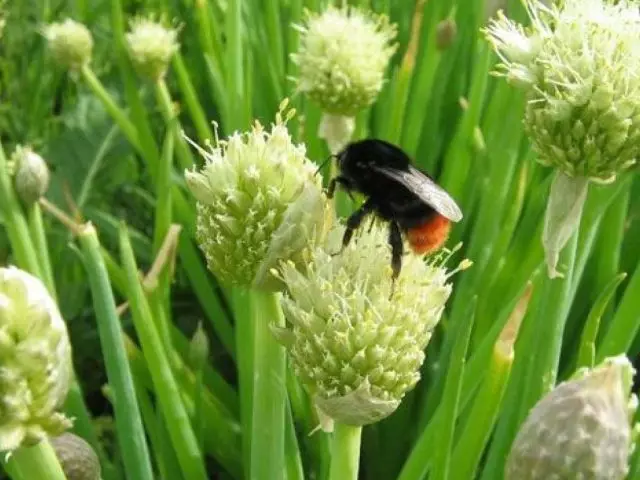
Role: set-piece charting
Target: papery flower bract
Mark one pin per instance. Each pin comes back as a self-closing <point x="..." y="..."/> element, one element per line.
<point x="244" y="190"/>
<point x="35" y="361"/>
<point x="70" y="43"/>
<point x="76" y="457"/>
<point x="151" y="46"/>
<point x="579" y="63"/>
<point x="342" y="58"/>
<point x="581" y="429"/>
<point x="30" y="175"/>
<point x="355" y="349"/>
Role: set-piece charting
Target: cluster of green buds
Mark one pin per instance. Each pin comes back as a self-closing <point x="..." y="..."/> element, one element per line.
<point x="578" y="63"/>
<point x="355" y="348"/>
<point x="35" y="361"/>
<point x="258" y="202"/>
<point x="30" y="175"/>
<point x="151" y="46"/>
<point x="342" y="59"/>
<point x="581" y="429"/>
<point x="70" y="44"/>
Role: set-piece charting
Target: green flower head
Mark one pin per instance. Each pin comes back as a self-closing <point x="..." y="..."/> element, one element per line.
<point x="258" y="201"/>
<point x="70" y="43"/>
<point x="579" y="63"/>
<point x="581" y="429"/>
<point x="357" y="350"/>
<point x="151" y="46"/>
<point x="35" y="361"/>
<point x="342" y="58"/>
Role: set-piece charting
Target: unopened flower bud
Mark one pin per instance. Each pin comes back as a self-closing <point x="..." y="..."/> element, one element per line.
<point x="342" y="58"/>
<point x="151" y="46"/>
<point x="31" y="175"/>
<point x="199" y="348"/>
<point x="243" y="193"/>
<point x="70" y="43"/>
<point x="355" y="349"/>
<point x="581" y="429"/>
<point x="76" y="457"/>
<point x="35" y="361"/>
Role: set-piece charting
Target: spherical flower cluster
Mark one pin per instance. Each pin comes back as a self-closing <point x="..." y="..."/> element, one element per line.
<point x="355" y="348"/>
<point x="342" y="58"/>
<point x="35" y="361"/>
<point x="248" y="186"/>
<point x="30" y="175"/>
<point x="579" y="63"/>
<point x="581" y="429"/>
<point x="151" y="46"/>
<point x="70" y="43"/>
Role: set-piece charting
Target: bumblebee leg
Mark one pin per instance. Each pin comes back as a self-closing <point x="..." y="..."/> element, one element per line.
<point x="354" y="221"/>
<point x="395" y="240"/>
<point x="334" y="182"/>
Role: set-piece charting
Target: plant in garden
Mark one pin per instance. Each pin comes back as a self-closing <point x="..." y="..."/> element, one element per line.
<point x="35" y="361"/>
<point x="151" y="46"/>
<point x="357" y="350"/>
<point x="578" y="62"/>
<point x="244" y="191"/>
<point x="342" y="59"/>
<point x="581" y="429"/>
<point x="70" y="44"/>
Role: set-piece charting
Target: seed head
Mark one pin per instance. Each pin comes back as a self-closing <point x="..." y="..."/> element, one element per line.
<point x="357" y="350"/>
<point x="250" y="209"/>
<point x="151" y="46"/>
<point x="342" y="58"/>
<point x="581" y="429"/>
<point x="579" y="63"/>
<point x="70" y="43"/>
<point x="35" y="361"/>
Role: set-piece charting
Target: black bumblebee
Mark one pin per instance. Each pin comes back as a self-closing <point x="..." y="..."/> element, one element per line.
<point x="397" y="192"/>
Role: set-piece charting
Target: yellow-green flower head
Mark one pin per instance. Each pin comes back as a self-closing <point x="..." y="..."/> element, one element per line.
<point x="249" y="185"/>
<point x="581" y="429"/>
<point x="70" y="43"/>
<point x="579" y="63"/>
<point x="342" y="58"/>
<point x="355" y="348"/>
<point x="35" y="361"/>
<point x="151" y="46"/>
<point x="31" y="175"/>
<point x="77" y="458"/>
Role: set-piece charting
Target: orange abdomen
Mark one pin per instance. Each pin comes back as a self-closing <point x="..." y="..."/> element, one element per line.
<point x="430" y="236"/>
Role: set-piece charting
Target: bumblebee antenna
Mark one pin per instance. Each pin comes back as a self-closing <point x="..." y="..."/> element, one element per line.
<point x="325" y="162"/>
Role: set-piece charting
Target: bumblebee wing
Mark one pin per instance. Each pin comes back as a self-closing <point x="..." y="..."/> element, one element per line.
<point x="426" y="189"/>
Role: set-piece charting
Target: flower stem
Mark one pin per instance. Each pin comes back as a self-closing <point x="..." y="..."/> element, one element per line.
<point x="269" y="389"/>
<point x="36" y="226"/>
<point x="38" y="462"/>
<point x="345" y="452"/>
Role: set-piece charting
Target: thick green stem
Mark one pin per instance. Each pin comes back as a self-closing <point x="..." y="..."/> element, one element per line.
<point x="38" y="462"/>
<point x="269" y="390"/>
<point x="39" y="237"/>
<point x="135" y="454"/>
<point x="345" y="452"/>
<point x="163" y="97"/>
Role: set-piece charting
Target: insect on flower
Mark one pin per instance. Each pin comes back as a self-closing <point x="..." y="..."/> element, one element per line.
<point x="398" y="193"/>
